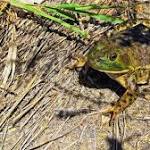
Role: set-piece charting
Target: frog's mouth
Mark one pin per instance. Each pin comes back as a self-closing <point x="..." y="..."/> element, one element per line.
<point x="108" y="66"/>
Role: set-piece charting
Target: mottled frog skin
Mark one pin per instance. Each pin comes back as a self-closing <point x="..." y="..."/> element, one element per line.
<point x="125" y="57"/>
<point x="138" y="13"/>
<point x="127" y="63"/>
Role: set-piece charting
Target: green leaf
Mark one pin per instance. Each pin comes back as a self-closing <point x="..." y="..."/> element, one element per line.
<point x="60" y="13"/>
<point x="75" y="6"/>
<point x="107" y="18"/>
<point x="39" y="10"/>
<point x="69" y="6"/>
<point x="82" y="9"/>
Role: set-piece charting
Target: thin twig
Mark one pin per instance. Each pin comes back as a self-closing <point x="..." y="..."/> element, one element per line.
<point x="19" y="99"/>
<point x="58" y="137"/>
<point x="31" y="106"/>
<point x="73" y="143"/>
<point x="8" y="91"/>
<point x="5" y="134"/>
<point x="37" y="134"/>
<point x="58" y="131"/>
<point x="9" y="70"/>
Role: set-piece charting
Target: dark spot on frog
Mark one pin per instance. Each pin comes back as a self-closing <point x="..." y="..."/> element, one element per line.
<point x="124" y="101"/>
<point x="129" y="94"/>
<point x="95" y="79"/>
<point x="119" y="105"/>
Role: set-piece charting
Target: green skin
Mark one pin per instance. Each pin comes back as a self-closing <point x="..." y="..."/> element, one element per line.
<point x="102" y="58"/>
<point x="123" y="64"/>
<point x="129" y="66"/>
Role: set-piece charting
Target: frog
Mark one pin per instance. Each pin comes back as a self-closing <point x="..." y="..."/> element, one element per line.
<point x="125" y="61"/>
<point x="128" y="64"/>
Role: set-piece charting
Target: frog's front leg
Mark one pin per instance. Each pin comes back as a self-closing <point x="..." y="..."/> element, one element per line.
<point x="125" y="101"/>
<point x="131" y="94"/>
<point x="79" y="62"/>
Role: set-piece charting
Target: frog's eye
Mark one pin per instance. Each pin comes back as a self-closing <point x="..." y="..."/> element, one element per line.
<point x="112" y="56"/>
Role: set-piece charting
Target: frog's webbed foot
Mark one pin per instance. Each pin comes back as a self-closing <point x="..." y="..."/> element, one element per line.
<point x="125" y="101"/>
<point x="113" y="114"/>
<point x="79" y="62"/>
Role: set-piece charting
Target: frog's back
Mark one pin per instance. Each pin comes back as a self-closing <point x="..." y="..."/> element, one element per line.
<point x="142" y="54"/>
<point x="136" y="43"/>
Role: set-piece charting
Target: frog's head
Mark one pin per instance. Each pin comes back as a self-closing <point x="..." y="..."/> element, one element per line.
<point x="109" y="58"/>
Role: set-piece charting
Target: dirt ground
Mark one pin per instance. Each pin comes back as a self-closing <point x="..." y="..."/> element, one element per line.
<point x="50" y="107"/>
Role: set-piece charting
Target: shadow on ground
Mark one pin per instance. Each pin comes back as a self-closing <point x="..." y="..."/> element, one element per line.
<point x="95" y="79"/>
<point x="114" y="144"/>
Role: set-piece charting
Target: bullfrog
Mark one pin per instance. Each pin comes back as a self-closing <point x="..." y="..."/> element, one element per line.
<point x="125" y="58"/>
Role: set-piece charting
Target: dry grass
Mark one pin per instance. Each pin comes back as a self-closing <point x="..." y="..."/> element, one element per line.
<point x="47" y="106"/>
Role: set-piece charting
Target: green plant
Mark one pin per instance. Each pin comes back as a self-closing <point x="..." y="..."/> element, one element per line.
<point x="60" y="12"/>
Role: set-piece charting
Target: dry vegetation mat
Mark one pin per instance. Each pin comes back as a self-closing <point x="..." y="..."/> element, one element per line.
<point x="46" y="106"/>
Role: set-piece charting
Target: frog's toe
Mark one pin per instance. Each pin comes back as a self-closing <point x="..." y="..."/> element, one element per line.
<point x="79" y="62"/>
<point x="113" y="114"/>
<point x="113" y="117"/>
